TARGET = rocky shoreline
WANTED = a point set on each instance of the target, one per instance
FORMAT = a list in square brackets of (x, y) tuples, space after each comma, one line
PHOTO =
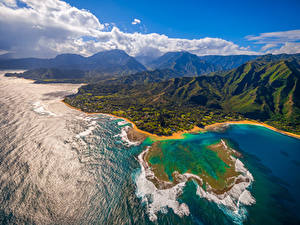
[(233, 198)]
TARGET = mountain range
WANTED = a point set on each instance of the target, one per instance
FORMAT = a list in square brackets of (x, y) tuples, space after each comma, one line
[(107, 63), (116, 63), (184, 63), (265, 89), (112, 64)]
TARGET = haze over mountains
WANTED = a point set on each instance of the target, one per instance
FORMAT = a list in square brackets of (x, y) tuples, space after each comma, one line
[(259, 87), (104, 61), (114, 62), (185, 63), (266, 88)]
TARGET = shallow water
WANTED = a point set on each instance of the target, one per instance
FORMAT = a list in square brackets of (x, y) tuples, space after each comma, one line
[(61, 166), (189, 155)]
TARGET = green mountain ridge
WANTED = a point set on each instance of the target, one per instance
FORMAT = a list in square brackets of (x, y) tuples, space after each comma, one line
[(266, 91), (262, 90), (184, 63), (109, 66), (228, 62)]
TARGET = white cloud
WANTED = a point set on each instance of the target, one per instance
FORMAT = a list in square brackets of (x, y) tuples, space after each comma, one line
[(288, 48), (276, 37), (136, 21), (278, 42), (2, 52), (50, 27), (268, 46), (10, 3), (23, 29)]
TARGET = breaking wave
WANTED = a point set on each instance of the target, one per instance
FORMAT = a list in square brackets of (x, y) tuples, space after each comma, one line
[(232, 202), (40, 109), (158, 200)]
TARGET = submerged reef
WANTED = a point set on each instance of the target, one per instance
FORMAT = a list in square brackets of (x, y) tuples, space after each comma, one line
[(215, 167)]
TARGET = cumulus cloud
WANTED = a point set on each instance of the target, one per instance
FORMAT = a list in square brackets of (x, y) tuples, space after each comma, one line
[(136, 21), (50, 27), (27, 29)]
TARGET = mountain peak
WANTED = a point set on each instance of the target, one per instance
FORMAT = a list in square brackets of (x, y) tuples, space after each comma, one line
[(178, 54), (113, 52), (68, 56), (183, 62)]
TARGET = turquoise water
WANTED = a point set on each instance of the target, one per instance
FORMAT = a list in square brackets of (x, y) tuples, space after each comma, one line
[(189, 155), (273, 160), (279, 153), (111, 194)]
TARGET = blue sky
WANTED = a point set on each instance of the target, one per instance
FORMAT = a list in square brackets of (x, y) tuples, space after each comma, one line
[(50, 27), (230, 20)]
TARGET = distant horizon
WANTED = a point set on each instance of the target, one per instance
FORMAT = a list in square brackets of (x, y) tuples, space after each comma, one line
[(262, 54), (150, 112), (44, 29)]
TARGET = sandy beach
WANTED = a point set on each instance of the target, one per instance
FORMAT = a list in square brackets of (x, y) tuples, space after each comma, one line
[(215, 125), (179, 135)]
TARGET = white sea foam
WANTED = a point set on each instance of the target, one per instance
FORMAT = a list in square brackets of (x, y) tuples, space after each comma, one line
[(123, 122), (91, 127), (124, 135), (158, 200), (40, 109), (224, 144), (231, 202)]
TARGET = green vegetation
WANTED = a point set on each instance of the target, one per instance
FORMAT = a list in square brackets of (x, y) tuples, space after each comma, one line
[(260, 90), (184, 63), (159, 108), (164, 101), (160, 120), (268, 91)]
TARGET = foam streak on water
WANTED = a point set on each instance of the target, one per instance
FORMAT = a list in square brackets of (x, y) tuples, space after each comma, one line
[(40, 173), (62, 166), (231, 202), (158, 200), (58, 165)]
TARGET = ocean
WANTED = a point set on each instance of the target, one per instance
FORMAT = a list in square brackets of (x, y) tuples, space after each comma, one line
[(62, 166)]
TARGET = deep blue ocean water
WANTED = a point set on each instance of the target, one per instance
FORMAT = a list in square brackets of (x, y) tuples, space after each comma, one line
[(112, 195), (271, 157)]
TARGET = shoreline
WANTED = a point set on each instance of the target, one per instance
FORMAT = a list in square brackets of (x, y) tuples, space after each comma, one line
[(233, 198), (179, 135), (249, 122)]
